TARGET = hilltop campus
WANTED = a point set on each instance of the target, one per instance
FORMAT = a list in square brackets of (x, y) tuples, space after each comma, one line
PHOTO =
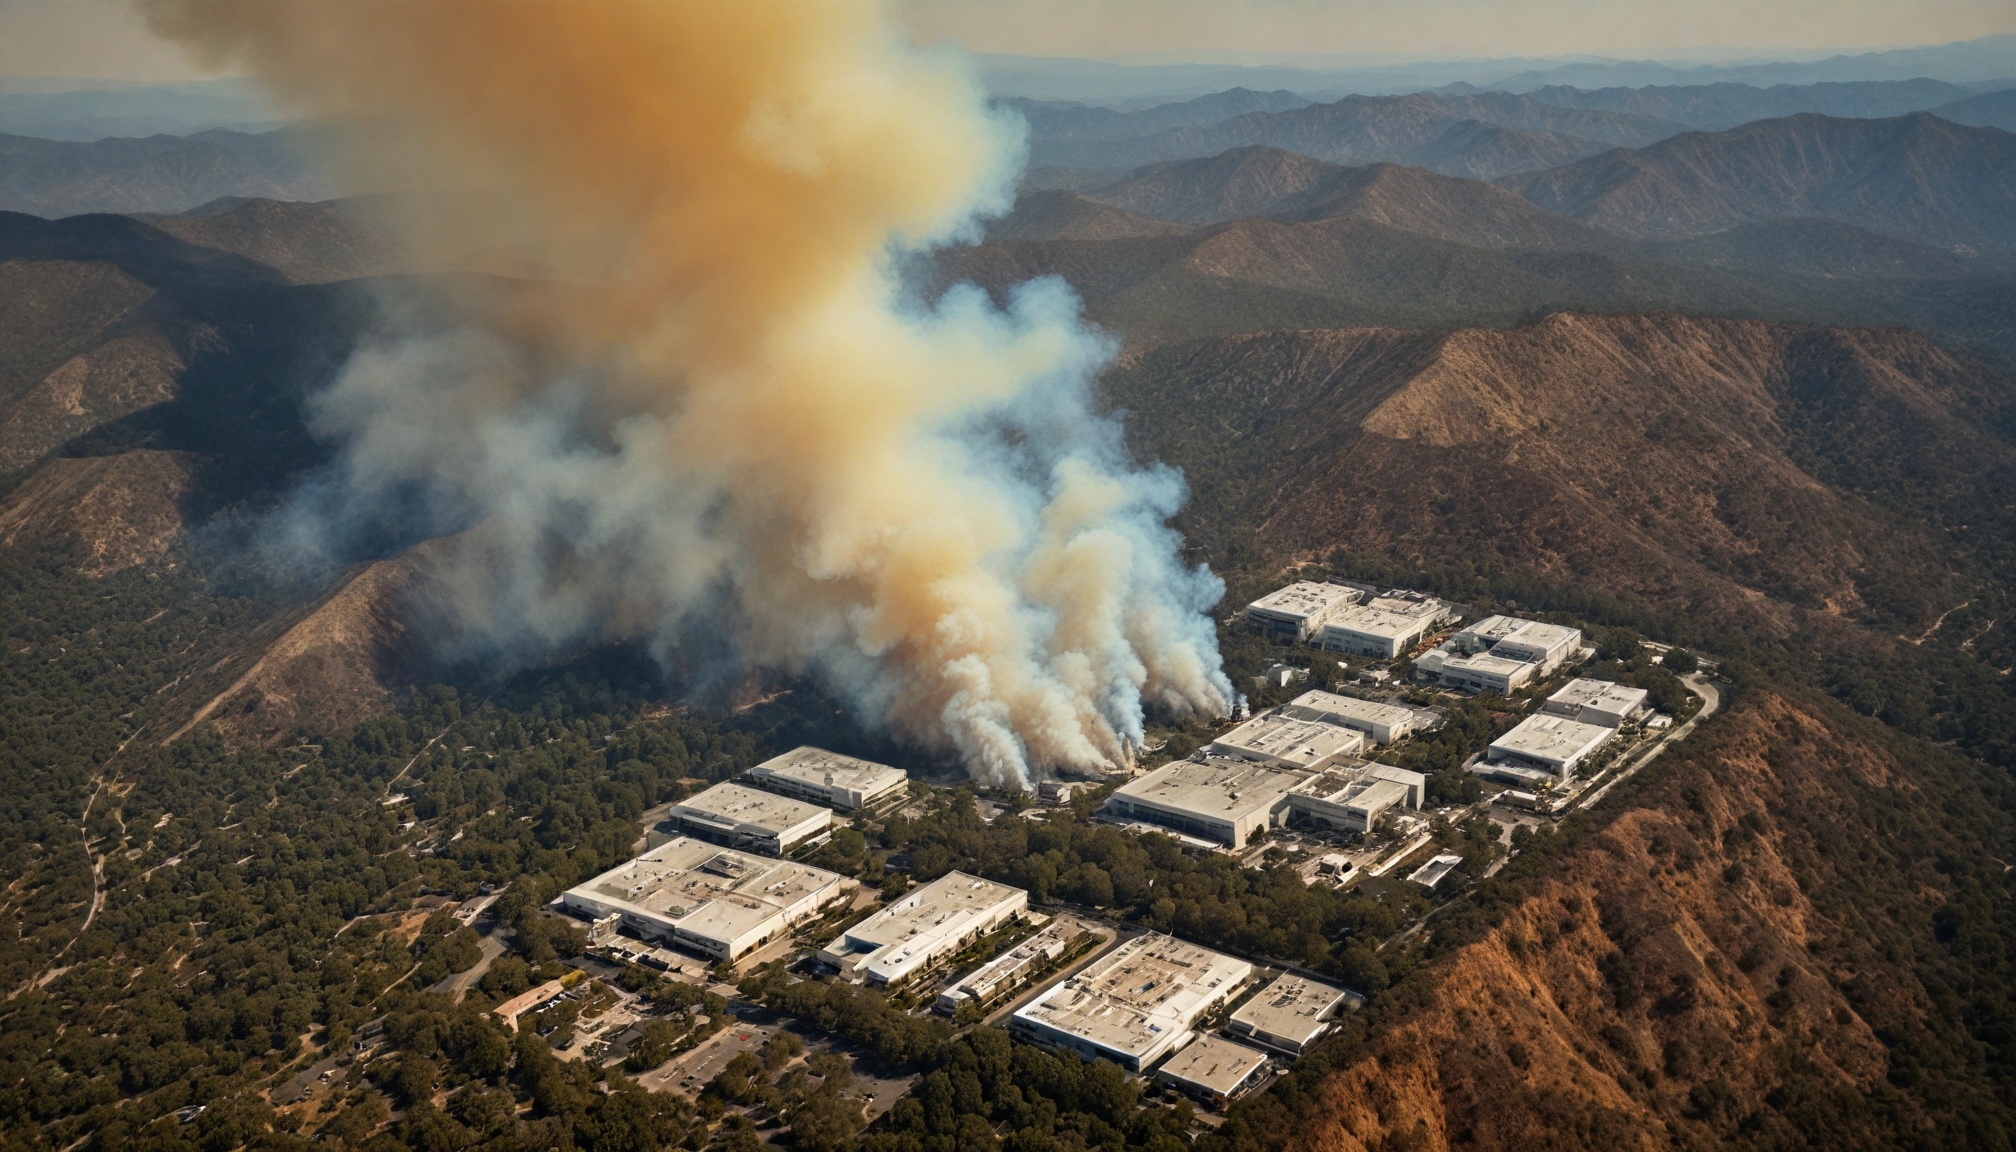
[(729, 875)]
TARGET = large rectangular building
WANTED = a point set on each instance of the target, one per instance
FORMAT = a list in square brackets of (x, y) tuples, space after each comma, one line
[(1551, 743), (1299, 611), (1546, 645), (1483, 672), (1385, 628), (1597, 702), (1136, 1005), (1289, 1014), (1354, 799), (923, 927), (1381, 723), (1213, 1070), (741, 817), (839, 782), (1281, 740), (715, 901), (1227, 801)]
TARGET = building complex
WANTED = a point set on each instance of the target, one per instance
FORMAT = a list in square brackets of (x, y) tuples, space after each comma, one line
[(1282, 740), (1380, 723), (1135, 1005), (1231, 801), (741, 817), (1215, 1070), (1299, 611), (715, 901), (923, 928), (1598, 702), (1386, 627), (1550, 743), (1500, 654), (1005, 973), (1289, 1014), (839, 782)]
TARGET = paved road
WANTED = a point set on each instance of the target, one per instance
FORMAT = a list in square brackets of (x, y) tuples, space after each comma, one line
[(458, 985), (1711, 703)]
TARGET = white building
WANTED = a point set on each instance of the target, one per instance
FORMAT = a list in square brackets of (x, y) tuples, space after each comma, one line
[(1353, 799), (1215, 1071), (1227, 801), (1382, 723), (830, 779), (924, 927), (1597, 702), (1299, 611), (1289, 1014), (1136, 1005), (1483, 672), (715, 901), (1551, 743), (1546, 645), (1385, 627), (742, 817), (1006, 972), (1281, 740)]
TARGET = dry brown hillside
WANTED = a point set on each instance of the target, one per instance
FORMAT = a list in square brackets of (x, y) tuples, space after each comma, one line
[(1739, 958), (1734, 468), (121, 510)]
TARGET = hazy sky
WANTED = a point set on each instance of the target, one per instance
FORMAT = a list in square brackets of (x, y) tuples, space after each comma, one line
[(101, 38)]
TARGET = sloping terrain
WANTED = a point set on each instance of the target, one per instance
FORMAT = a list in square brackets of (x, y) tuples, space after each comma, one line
[(1988, 110), (1481, 136), (1714, 107), (1781, 941), (1916, 176), (54, 178), (121, 511), (1737, 471), (308, 243), (1058, 215), (1054, 120)]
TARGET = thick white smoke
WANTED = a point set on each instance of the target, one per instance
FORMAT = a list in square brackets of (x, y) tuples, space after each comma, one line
[(722, 410)]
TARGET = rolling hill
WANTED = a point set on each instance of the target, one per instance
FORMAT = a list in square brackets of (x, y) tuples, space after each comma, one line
[(1917, 176), (1715, 107), (56, 178)]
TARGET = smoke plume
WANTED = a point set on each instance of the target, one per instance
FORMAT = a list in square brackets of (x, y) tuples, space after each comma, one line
[(708, 400)]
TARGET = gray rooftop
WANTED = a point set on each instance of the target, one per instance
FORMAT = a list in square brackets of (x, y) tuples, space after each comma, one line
[(1603, 695), (1552, 738), (1213, 1064), (717, 892), (1221, 789), (1304, 599), (1319, 705), (1292, 1009), (1281, 736), (740, 804), (1133, 998)]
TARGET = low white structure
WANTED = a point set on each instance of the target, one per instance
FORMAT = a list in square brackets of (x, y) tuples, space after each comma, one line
[(1299, 611), (1227, 801), (742, 817), (1355, 799), (1289, 1014), (1005, 973), (1551, 743), (1381, 723), (1598, 702), (1136, 1005), (1281, 740), (1483, 672), (839, 782), (1215, 1071), (715, 901), (924, 927), (1385, 627), (1510, 637), (1435, 870)]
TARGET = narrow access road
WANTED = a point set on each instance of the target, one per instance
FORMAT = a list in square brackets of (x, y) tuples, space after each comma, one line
[(1711, 703)]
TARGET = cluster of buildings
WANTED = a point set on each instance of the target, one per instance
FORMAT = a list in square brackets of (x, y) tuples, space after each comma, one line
[(1500, 654), (1572, 724), (1341, 618), (1287, 765), (788, 802), (1147, 1001)]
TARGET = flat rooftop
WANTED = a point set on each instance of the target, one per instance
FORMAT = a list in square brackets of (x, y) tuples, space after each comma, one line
[(1492, 629), (1603, 695), (716, 892), (1485, 662), (1216, 1065), (922, 923), (1304, 599), (1425, 609), (1319, 705), (1219, 789), (1302, 743), (1550, 738), (1381, 622), (1139, 993), (1540, 635), (1292, 1009), (823, 769), (740, 804)]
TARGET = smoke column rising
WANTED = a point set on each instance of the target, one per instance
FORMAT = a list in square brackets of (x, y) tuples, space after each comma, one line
[(724, 405)]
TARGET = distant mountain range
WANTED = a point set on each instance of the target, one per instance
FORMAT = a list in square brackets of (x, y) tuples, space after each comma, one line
[(56, 178), (76, 109)]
